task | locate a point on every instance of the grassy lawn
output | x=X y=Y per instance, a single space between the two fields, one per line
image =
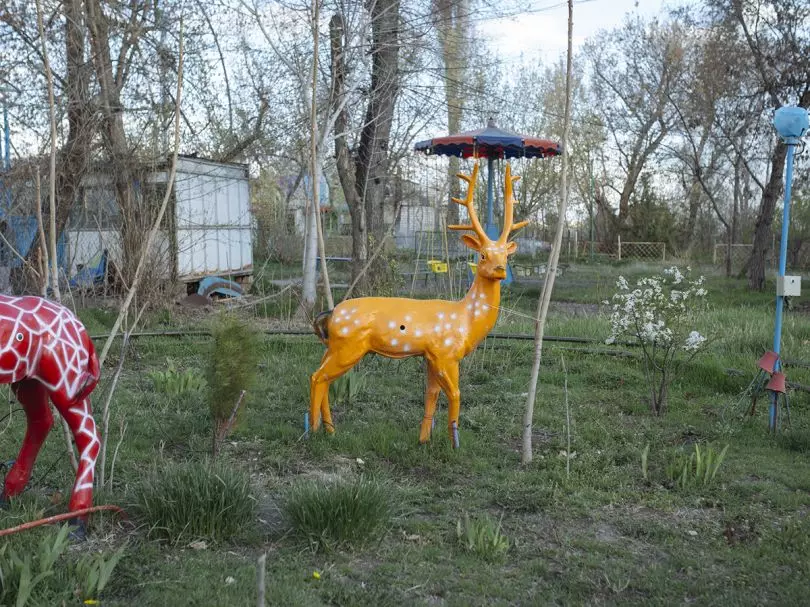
x=611 y=531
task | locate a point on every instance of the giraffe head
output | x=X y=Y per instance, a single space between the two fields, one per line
x=494 y=253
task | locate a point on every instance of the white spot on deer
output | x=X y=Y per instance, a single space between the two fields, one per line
x=407 y=319
x=344 y=312
x=406 y=347
x=394 y=342
x=486 y=306
x=338 y=319
x=477 y=304
x=481 y=296
x=357 y=321
x=469 y=306
x=441 y=315
x=447 y=326
x=448 y=341
x=391 y=324
x=476 y=313
x=453 y=316
x=418 y=333
x=436 y=329
x=353 y=310
x=345 y=330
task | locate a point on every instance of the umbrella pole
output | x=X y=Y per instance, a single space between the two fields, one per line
x=491 y=229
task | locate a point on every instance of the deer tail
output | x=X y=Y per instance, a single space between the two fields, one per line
x=321 y=326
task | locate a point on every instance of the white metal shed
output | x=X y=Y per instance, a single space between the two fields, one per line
x=210 y=226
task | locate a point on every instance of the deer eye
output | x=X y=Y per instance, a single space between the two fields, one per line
x=483 y=257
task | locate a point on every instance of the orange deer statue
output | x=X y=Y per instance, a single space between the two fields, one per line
x=443 y=332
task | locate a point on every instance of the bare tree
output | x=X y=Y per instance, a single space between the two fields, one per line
x=634 y=70
x=776 y=35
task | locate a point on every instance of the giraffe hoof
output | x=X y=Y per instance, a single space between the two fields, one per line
x=78 y=530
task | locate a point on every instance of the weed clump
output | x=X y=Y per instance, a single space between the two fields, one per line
x=187 y=500
x=338 y=514
x=482 y=536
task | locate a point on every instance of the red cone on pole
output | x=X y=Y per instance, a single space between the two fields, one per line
x=777 y=383
x=768 y=361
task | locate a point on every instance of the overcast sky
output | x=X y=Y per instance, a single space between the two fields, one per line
x=543 y=29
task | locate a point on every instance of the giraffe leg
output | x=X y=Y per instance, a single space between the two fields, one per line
x=447 y=373
x=79 y=418
x=431 y=396
x=332 y=367
x=34 y=399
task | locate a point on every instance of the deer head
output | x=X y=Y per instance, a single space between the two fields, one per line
x=494 y=253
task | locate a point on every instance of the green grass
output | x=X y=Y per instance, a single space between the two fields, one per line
x=604 y=534
x=191 y=500
x=338 y=513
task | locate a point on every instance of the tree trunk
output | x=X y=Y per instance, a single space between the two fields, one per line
x=452 y=26
x=372 y=154
x=343 y=156
x=74 y=158
x=551 y=271
x=762 y=230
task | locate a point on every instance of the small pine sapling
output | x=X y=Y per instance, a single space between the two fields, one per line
x=231 y=372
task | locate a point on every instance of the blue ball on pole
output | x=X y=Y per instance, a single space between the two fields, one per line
x=792 y=124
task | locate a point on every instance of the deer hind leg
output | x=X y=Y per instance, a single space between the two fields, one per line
x=79 y=417
x=332 y=367
x=34 y=399
x=431 y=396
x=447 y=374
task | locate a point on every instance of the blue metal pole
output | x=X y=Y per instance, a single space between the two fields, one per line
x=491 y=229
x=780 y=299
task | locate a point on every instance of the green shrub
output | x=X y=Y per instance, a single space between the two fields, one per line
x=338 y=514
x=482 y=537
x=181 y=501
x=48 y=576
x=697 y=469
x=232 y=366
x=344 y=389
x=172 y=381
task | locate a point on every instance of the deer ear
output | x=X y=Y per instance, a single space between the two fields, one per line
x=511 y=247
x=471 y=241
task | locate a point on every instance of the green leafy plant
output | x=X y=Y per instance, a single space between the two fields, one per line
x=482 y=536
x=190 y=500
x=338 y=514
x=20 y=576
x=344 y=389
x=172 y=381
x=698 y=469
x=644 y=457
x=94 y=572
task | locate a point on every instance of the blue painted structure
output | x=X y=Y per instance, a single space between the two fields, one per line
x=792 y=124
x=491 y=142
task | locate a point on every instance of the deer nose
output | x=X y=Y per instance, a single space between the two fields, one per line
x=500 y=268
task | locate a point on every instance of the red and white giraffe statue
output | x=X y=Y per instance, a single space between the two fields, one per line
x=45 y=352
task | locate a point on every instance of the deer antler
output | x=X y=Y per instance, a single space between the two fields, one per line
x=474 y=224
x=509 y=207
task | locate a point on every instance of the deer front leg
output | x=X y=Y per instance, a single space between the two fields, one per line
x=34 y=399
x=431 y=396
x=447 y=374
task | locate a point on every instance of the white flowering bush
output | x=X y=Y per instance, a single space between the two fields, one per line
x=659 y=312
